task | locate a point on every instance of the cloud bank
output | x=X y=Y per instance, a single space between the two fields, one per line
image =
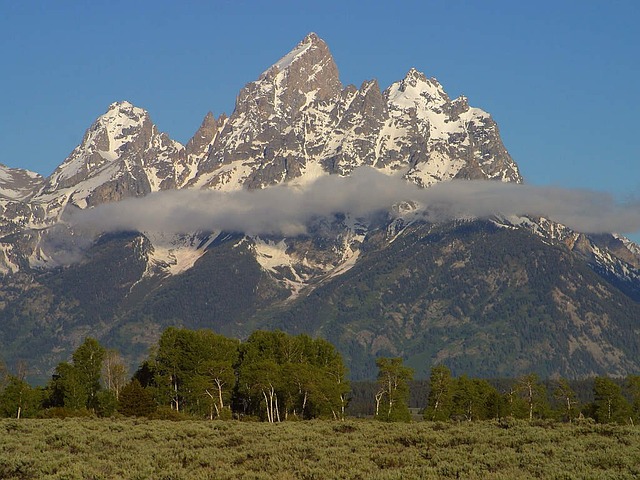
x=286 y=210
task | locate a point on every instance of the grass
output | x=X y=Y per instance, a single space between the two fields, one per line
x=89 y=448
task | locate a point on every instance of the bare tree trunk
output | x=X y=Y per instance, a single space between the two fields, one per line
x=304 y=404
x=378 y=398
x=266 y=403
x=213 y=405
x=176 y=400
x=219 y=384
x=271 y=405
x=276 y=405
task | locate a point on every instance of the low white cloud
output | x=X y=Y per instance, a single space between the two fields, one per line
x=287 y=210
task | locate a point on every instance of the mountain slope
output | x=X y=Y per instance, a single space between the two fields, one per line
x=481 y=299
x=499 y=297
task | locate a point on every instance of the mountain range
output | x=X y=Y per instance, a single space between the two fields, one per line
x=242 y=228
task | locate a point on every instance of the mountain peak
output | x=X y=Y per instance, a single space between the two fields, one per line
x=312 y=37
x=104 y=142
x=416 y=89
x=306 y=73
x=123 y=108
x=122 y=104
x=414 y=75
x=309 y=44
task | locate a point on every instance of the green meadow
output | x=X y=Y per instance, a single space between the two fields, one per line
x=136 y=448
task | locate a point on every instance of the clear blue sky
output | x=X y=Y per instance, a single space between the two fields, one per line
x=560 y=77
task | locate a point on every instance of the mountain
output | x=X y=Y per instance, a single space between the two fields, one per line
x=499 y=296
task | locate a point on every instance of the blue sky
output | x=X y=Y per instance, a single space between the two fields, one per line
x=559 y=77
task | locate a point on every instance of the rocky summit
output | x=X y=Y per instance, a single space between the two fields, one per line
x=498 y=296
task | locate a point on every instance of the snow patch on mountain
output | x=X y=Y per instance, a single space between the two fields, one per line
x=175 y=254
x=103 y=142
x=18 y=184
x=292 y=56
x=273 y=258
x=7 y=259
x=631 y=246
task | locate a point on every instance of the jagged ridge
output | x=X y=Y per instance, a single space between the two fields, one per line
x=294 y=124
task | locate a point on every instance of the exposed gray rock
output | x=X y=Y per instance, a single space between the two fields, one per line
x=294 y=123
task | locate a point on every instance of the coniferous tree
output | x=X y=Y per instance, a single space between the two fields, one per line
x=136 y=401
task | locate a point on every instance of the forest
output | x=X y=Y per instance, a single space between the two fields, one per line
x=274 y=377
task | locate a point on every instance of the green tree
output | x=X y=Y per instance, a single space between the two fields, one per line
x=309 y=379
x=106 y=403
x=440 y=397
x=471 y=398
x=610 y=406
x=300 y=386
x=171 y=361
x=195 y=370
x=272 y=375
x=327 y=378
x=4 y=374
x=136 y=401
x=393 y=389
x=114 y=372
x=568 y=405
x=87 y=361
x=18 y=399
x=495 y=404
x=259 y=383
x=534 y=394
x=632 y=386
x=214 y=374
x=76 y=385
x=514 y=404
x=67 y=389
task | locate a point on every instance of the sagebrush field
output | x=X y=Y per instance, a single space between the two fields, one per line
x=90 y=448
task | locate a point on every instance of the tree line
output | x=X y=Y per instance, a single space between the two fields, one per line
x=525 y=397
x=273 y=376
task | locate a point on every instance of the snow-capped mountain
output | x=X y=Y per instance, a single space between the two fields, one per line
x=121 y=155
x=18 y=184
x=295 y=124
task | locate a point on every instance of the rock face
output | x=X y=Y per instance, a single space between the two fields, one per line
x=292 y=125
x=297 y=121
x=17 y=184
x=121 y=155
